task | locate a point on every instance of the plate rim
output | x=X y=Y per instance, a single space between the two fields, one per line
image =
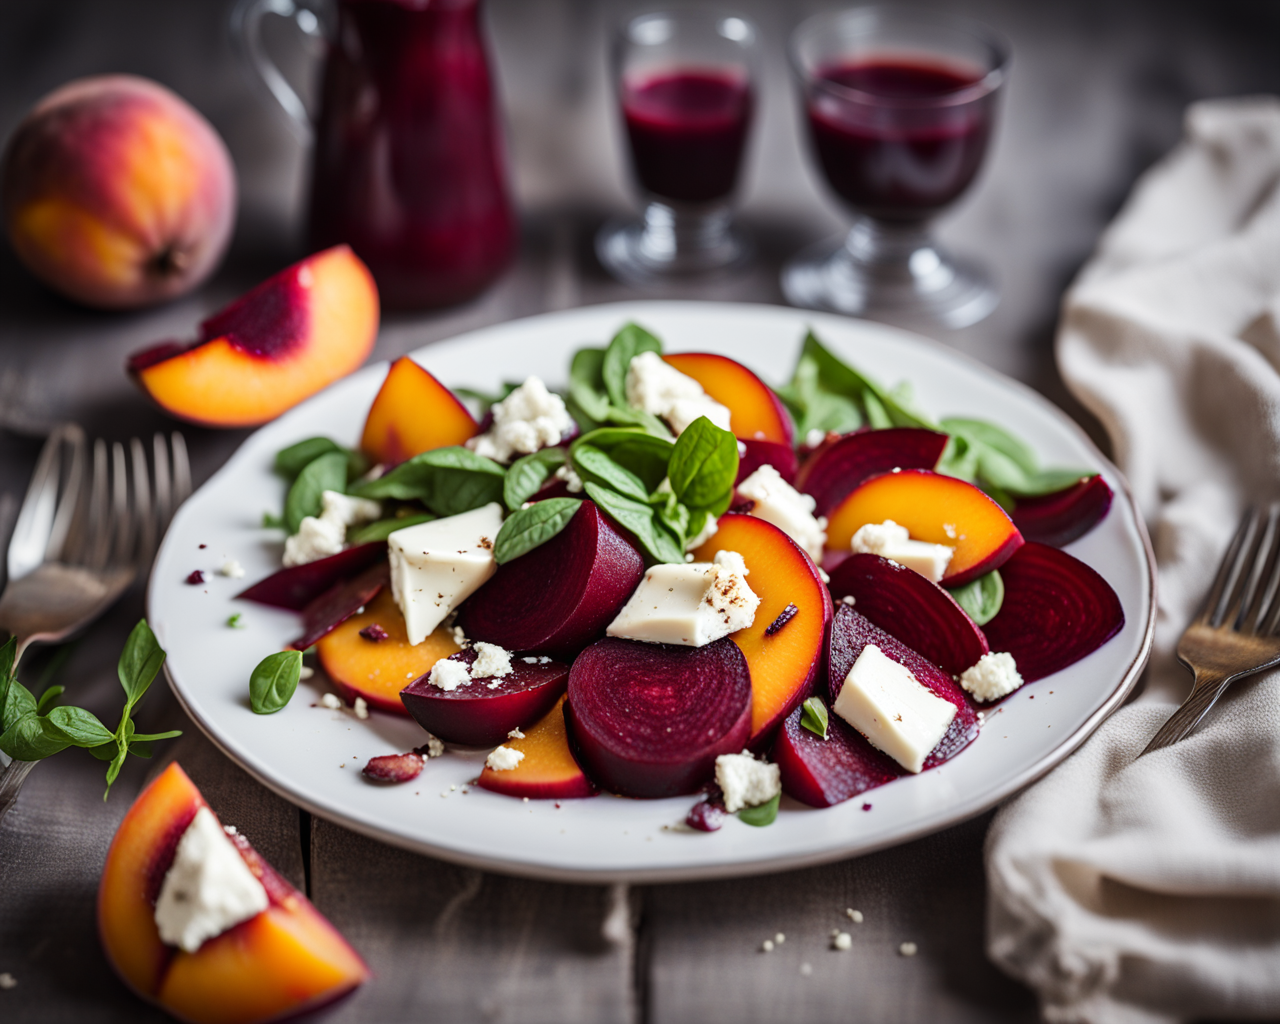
x=963 y=811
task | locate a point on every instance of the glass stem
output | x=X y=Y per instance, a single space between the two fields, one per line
x=676 y=235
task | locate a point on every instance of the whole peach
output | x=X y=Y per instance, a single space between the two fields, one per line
x=118 y=193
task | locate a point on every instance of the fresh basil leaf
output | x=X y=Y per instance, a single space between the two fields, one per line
x=625 y=346
x=293 y=460
x=590 y=463
x=81 y=727
x=8 y=655
x=627 y=416
x=959 y=459
x=384 y=528
x=981 y=598
x=449 y=481
x=1049 y=481
x=639 y=519
x=761 y=815
x=139 y=748
x=273 y=682
x=531 y=527
x=675 y=516
x=48 y=698
x=139 y=662
x=996 y=438
x=326 y=473
x=704 y=466
x=33 y=738
x=526 y=475
x=877 y=416
x=106 y=752
x=19 y=702
x=813 y=716
x=833 y=375
x=152 y=737
x=814 y=408
x=271 y=521
x=586 y=383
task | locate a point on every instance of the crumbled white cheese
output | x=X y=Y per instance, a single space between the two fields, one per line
x=529 y=418
x=766 y=946
x=745 y=781
x=208 y=889
x=434 y=746
x=732 y=561
x=777 y=502
x=503 y=758
x=326 y=534
x=331 y=701
x=889 y=540
x=435 y=566
x=992 y=676
x=897 y=713
x=306 y=672
x=361 y=708
x=348 y=511
x=232 y=569
x=572 y=482
x=708 y=531
x=842 y=941
x=491 y=662
x=854 y=915
x=657 y=387
x=691 y=604
x=515 y=734
x=779 y=938
x=449 y=674
x=459 y=637
x=814 y=438
x=908 y=949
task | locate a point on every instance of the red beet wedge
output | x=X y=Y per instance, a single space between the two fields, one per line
x=482 y=712
x=836 y=467
x=1056 y=610
x=649 y=720
x=781 y=457
x=851 y=632
x=1063 y=516
x=912 y=608
x=560 y=596
x=822 y=773
x=341 y=601
x=296 y=587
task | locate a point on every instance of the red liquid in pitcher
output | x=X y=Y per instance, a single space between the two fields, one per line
x=408 y=159
x=898 y=150
x=687 y=132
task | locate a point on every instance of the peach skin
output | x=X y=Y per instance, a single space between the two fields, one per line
x=413 y=413
x=755 y=413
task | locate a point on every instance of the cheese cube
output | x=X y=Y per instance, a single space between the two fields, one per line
x=435 y=566
x=889 y=540
x=897 y=713
x=691 y=605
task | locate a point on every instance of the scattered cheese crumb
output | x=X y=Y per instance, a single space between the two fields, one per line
x=434 y=746
x=8 y=981
x=491 y=662
x=854 y=915
x=361 y=707
x=779 y=938
x=806 y=969
x=891 y=541
x=459 y=637
x=449 y=674
x=233 y=569
x=503 y=758
x=849 y=599
x=331 y=701
x=529 y=418
x=515 y=734
x=659 y=388
x=766 y=946
x=994 y=675
x=306 y=672
x=908 y=949
x=814 y=438
x=777 y=502
x=745 y=781
x=842 y=941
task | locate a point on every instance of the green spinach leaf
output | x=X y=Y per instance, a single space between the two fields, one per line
x=384 y=528
x=703 y=467
x=326 y=473
x=273 y=682
x=761 y=815
x=448 y=481
x=981 y=598
x=526 y=475
x=638 y=518
x=590 y=463
x=814 y=717
x=528 y=528
x=625 y=346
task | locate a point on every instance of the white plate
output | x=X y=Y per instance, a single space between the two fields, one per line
x=313 y=756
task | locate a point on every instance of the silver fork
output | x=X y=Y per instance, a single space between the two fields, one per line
x=1235 y=633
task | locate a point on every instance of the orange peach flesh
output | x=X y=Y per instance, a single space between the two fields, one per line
x=220 y=384
x=754 y=413
x=413 y=413
x=378 y=670
x=548 y=770
x=933 y=507
x=780 y=574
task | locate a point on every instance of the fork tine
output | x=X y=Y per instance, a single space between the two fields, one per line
x=35 y=518
x=1229 y=571
x=98 y=539
x=1250 y=551
x=160 y=456
x=181 y=469
x=143 y=517
x=1260 y=589
x=120 y=551
x=69 y=436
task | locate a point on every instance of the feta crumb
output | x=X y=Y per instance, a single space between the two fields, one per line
x=503 y=758
x=908 y=949
x=515 y=734
x=331 y=701
x=491 y=662
x=708 y=531
x=806 y=969
x=658 y=388
x=814 y=438
x=306 y=672
x=779 y=938
x=232 y=569
x=843 y=941
x=572 y=482
x=766 y=946
x=529 y=418
x=777 y=502
x=434 y=746
x=992 y=676
x=745 y=781
x=854 y=915
x=347 y=510
x=529 y=659
x=449 y=674
x=849 y=599
x=459 y=637
x=732 y=561
x=361 y=708
x=8 y=981
x=889 y=540
x=326 y=534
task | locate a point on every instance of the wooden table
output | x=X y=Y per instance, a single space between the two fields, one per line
x=1097 y=93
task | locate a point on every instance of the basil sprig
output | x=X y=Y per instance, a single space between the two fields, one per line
x=31 y=729
x=762 y=814
x=273 y=682
x=449 y=481
x=527 y=474
x=981 y=598
x=814 y=717
x=384 y=528
x=598 y=383
x=293 y=460
x=528 y=528
x=328 y=472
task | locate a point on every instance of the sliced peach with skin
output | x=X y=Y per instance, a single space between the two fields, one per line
x=280 y=962
x=935 y=508
x=548 y=771
x=785 y=663
x=413 y=413
x=294 y=334
x=755 y=412
x=378 y=670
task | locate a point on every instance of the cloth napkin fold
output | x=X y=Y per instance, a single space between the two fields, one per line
x=1149 y=891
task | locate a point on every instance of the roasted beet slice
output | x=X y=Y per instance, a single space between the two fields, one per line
x=1056 y=610
x=781 y=457
x=836 y=467
x=341 y=601
x=649 y=720
x=482 y=712
x=851 y=632
x=822 y=773
x=296 y=587
x=912 y=608
x=560 y=596
x=1063 y=516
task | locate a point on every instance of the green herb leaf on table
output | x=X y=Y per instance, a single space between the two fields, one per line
x=640 y=519
x=449 y=481
x=703 y=467
x=80 y=726
x=384 y=528
x=48 y=698
x=273 y=682
x=526 y=529
x=813 y=716
x=981 y=598
x=527 y=474
x=625 y=346
x=762 y=814
x=326 y=473
x=591 y=464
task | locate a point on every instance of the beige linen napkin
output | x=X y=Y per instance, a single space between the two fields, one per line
x=1149 y=891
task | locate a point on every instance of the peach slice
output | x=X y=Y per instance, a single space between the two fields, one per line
x=935 y=508
x=413 y=413
x=755 y=413
x=294 y=334
x=282 y=961
x=783 y=663
x=378 y=670
x=548 y=771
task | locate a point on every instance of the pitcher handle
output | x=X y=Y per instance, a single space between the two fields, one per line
x=246 y=33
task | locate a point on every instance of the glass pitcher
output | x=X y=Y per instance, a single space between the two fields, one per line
x=407 y=163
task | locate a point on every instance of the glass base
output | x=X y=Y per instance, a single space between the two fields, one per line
x=890 y=273
x=670 y=243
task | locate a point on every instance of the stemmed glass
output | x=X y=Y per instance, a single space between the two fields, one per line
x=900 y=106
x=685 y=83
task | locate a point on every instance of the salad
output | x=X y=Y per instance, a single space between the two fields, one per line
x=672 y=579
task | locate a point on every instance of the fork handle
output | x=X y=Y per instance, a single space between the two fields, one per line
x=1204 y=694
